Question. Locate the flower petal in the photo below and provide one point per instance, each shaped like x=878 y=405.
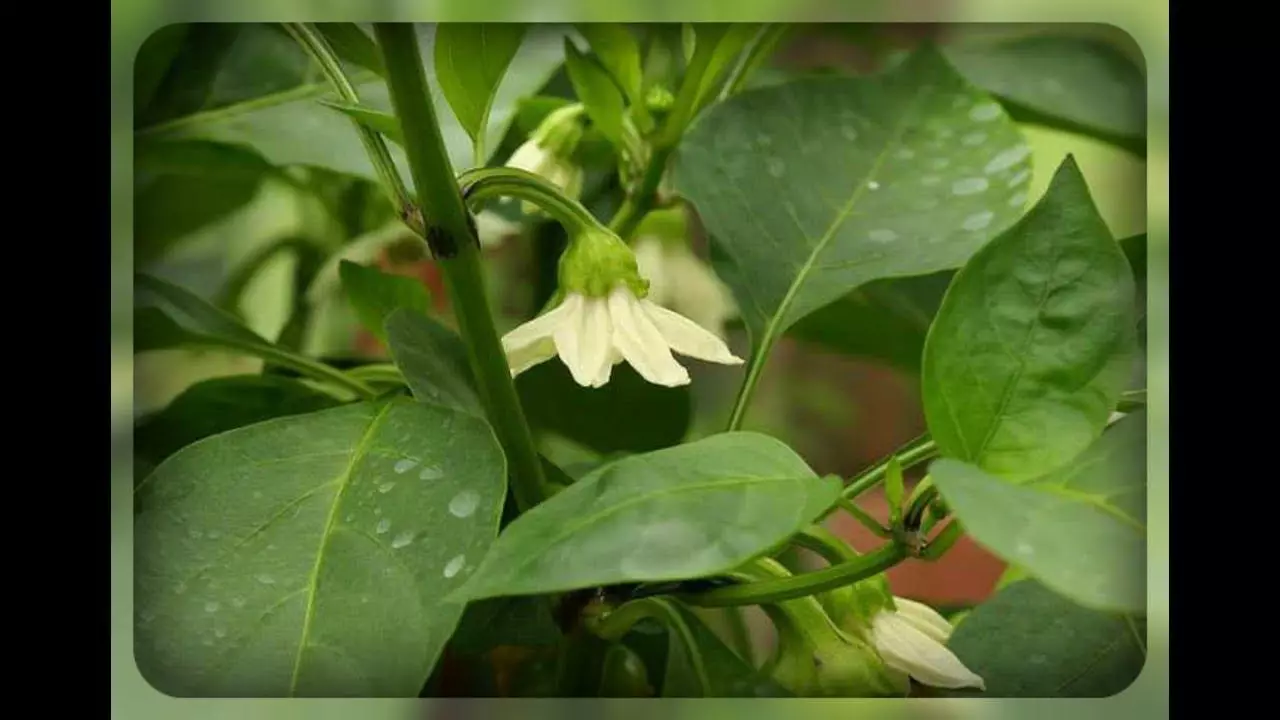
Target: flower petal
x=569 y=337
x=687 y=337
x=530 y=355
x=640 y=342
x=615 y=357
x=907 y=649
x=924 y=618
x=530 y=157
x=596 y=341
x=542 y=326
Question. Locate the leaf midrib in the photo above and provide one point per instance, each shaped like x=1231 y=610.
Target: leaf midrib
x=596 y=518
x=344 y=482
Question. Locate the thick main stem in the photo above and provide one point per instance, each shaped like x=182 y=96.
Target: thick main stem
x=452 y=235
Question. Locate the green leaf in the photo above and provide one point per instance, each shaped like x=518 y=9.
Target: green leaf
x=626 y=415
x=353 y=45
x=220 y=404
x=619 y=52
x=182 y=186
x=311 y=555
x=1080 y=530
x=729 y=676
x=375 y=295
x=816 y=187
x=433 y=360
x=278 y=116
x=1075 y=84
x=520 y=621
x=470 y=62
x=178 y=67
x=1028 y=641
x=715 y=47
x=381 y=122
x=683 y=512
x=152 y=63
x=1033 y=344
x=885 y=320
x=597 y=92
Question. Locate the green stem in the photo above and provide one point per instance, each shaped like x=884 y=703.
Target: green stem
x=319 y=49
x=861 y=516
x=301 y=365
x=825 y=543
x=614 y=625
x=483 y=183
x=943 y=542
x=452 y=236
x=759 y=53
x=639 y=203
x=909 y=455
x=378 y=373
x=772 y=591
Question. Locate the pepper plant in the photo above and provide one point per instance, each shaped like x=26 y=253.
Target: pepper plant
x=403 y=528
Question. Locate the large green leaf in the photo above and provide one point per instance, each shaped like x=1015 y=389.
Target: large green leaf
x=1033 y=344
x=683 y=512
x=1076 y=84
x=470 y=62
x=288 y=126
x=626 y=415
x=1028 y=641
x=176 y=67
x=217 y=405
x=727 y=675
x=1081 y=530
x=433 y=360
x=618 y=51
x=375 y=295
x=311 y=555
x=815 y=187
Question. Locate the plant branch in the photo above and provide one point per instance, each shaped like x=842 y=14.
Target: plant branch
x=913 y=453
x=481 y=184
x=811 y=583
x=451 y=234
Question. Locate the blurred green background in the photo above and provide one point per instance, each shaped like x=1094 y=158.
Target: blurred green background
x=1131 y=193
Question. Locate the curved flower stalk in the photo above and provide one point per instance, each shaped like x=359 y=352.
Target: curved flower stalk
x=548 y=153
x=602 y=316
x=679 y=279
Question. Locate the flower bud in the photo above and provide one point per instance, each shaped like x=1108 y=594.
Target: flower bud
x=549 y=153
x=816 y=659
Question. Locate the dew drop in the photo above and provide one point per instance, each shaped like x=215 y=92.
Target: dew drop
x=1054 y=86
x=348 y=518
x=237 y=602
x=969 y=186
x=377 y=511
x=265 y=579
x=454 y=566
x=974 y=138
x=882 y=235
x=214 y=535
x=959 y=102
x=179 y=588
x=211 y=606
x=1007 y=159
x=207 y=642
x=777 y=168
x=195 y=534
x=984 y=112
x=386 y=487
x=940 y=164
x=1025 y=549
x=219 y=632
x=936 y=240
x=764 y=141
x=943 y=133
x=849 y=132
x=405 y=465
x=977 y=221
x=1037 y=659
x=430 y=472
x=257 y=495
x=1020 y=177
x=930 y=180
x=402 y=540
x=1019 y=200
x=906 y=154
x=364 y=599
x=873 y=185
x=383 y=526
x=464 y=503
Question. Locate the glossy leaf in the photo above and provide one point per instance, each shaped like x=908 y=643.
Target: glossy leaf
x=729 y=676
x=470 y=62
x=376 y=120
x=816 y=187
x=189 y=312
x=217 y=405
x=1080 y=530
x=310 y=555
x=618 y=51
x=683 y=512
x=177 y=68
x=375 y=295
x=628 y=414
x=597 y=92
x=353 y=45
x=1028 y=641
x=1075 y=84
x=1033 y=344
x=283 y=124
x=433 y=360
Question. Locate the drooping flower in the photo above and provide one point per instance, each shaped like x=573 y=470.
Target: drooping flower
x=679 y=279
x=549 y=153
x=604 y=317
x=912 y=639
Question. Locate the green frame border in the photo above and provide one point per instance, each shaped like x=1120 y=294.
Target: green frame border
x=1145 y=21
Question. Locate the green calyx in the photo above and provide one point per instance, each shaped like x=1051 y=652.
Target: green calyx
x=596 y=261
x=816 y=659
